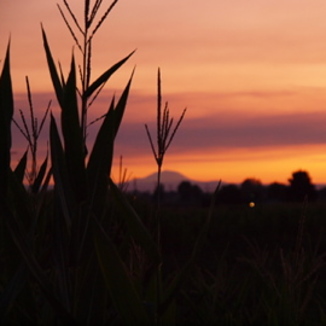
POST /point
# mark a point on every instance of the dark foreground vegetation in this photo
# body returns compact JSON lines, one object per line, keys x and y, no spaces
{"x":260,"y":265}
{"x":86,"y":252}
{"x":263,"y":258}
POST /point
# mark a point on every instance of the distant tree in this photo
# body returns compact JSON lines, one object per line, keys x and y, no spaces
{"x":197,"y":191}
{"x":189,"y":193}
{"x":185,"y":190}
{"x":229,"y":194}
{"x":277,"y":191}
{"x":301,"y":187}
{"x":252,"y":190}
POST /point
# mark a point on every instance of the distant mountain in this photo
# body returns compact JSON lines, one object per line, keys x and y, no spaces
{"x":170,"y":180}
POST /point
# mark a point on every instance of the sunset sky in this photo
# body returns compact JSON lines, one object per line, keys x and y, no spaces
{"x":252,"y":75}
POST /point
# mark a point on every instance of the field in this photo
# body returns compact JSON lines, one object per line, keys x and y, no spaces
{"x":87,"y":252}
{"x":262,"y":265}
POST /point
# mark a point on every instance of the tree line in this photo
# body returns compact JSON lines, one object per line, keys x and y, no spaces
{"x":299,"y":189}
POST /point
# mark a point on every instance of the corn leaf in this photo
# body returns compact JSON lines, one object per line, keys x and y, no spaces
{"x":100,"y":161}
{"x":60,"y":173}
{"x":6,"y":113}
{"x":40,"y":176}
{"x":123,"y":293}
{"x":72,"y":134}
{"x":21,"y":167}
{"x":121,"y":105}
{"x":105,"y":76}
{"x":58,"y":88}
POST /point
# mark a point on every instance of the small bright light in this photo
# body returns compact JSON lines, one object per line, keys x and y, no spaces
{"x":252,"y":204}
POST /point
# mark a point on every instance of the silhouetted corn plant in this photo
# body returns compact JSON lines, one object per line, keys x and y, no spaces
{"x":82,"y":189}
{"x":68,"y":249}
{"x":164,"y":130}
{"x":83,"y":33}
{"x":167,"y":292}
{"x":18,"y":218}
{"x":164,"y":137}
{"x":66,"y":258}
{"x":31,"y":134}
{"x":6,"y":111}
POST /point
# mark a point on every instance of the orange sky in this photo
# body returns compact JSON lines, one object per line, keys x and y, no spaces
{"x":252,"y":75}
